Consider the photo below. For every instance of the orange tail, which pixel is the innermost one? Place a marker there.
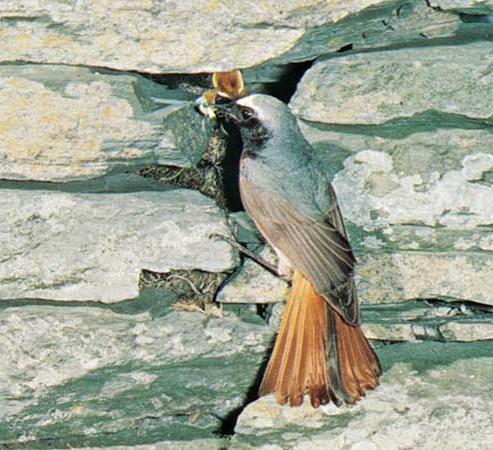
(316, 352)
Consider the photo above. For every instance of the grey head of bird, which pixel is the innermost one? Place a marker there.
(261, 118)
(270, 112)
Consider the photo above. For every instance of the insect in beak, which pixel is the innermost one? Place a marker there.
(204, 106)
(226, 111)
(227, 87)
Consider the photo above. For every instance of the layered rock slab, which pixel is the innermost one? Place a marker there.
(214, 35)
(432, 396)
(255, 284)
(382, 25)
(465, 6)
(427, 321)
(68, 246)
(61, 123)
(373, 88)
(86, 376)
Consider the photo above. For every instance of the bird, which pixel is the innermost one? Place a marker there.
(320, 350)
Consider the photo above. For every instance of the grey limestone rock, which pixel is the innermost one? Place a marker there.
(426, 321)
(68, 246)
(432, 396)
(212, 35)
(404, 276)
(467, 331)
(381, 25)
(465, 6)
(255, 284)
(88, 376)
(193, 444)
(60, 123)
(430, 228)
(374, 88)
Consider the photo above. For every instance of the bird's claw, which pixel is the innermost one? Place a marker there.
(242, 249)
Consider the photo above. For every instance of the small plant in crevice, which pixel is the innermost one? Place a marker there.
(195, 289)
(205, 176)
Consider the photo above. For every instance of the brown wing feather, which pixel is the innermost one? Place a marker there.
(320, 250)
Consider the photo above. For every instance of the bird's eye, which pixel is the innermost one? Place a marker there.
(246, 113)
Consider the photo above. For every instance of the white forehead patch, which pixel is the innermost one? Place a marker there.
(269, 110)
(246, 101)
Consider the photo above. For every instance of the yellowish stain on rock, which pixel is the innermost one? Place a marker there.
(213, 5)
(64, 131)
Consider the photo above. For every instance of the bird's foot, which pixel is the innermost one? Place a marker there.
(242, 249)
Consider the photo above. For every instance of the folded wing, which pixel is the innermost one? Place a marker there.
(320, 250)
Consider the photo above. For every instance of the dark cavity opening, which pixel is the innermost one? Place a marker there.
(348, 47)
(285, 87)
(231, 168)
(476, 18)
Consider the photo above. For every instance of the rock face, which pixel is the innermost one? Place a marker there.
(65, 123)
(436, 401)
(214, 35)
(100, 148)
(92, 247)
(255, 284)
(89, 377)
(382, 87)
(465, 6)
(425, 321)
(411, 157)
(381, 24)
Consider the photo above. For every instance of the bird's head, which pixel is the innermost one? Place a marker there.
(261, 109)
(258, 116)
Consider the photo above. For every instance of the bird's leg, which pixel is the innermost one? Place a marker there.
(258, 259)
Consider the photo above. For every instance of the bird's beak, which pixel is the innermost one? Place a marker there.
(230, 111)
(207, 106)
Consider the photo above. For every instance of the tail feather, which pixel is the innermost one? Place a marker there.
(349, 381)
(362, 359)
(318, 353)
(335, 360)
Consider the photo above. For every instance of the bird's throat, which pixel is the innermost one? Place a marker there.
(254, 136)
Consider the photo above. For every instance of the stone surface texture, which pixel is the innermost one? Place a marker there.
(255, 284)
(465, 6)
(105, 345)
(382, 86)
(64, 246)
(382, 25)
(60, 123)
(209, 444)
(85, 376)
(426, 321)
(423, 404)
(214, 35)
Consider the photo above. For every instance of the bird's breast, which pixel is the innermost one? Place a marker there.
(257, 170)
